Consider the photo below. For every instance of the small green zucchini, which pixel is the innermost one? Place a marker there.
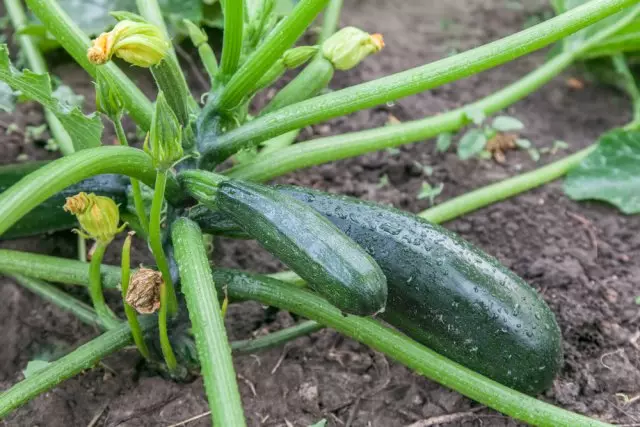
(447, 294)
(49, 216)
(332, 264)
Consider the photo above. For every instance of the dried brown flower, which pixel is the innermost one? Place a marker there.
(143, 293)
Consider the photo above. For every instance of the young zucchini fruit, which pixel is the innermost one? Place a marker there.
(49, 216)
(447, 294)
(333, 265)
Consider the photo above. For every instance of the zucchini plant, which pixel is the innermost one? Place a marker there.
(459, 317)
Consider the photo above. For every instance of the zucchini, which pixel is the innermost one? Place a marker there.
(449, 295)
(332, 264)
(49, 216)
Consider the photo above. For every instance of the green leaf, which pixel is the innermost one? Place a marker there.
(7, 98)
(611, 173)
(523, 143)
(471, 143)
(535, 154)
(429, 192)
(85, 131)
(321, 423)
(33, 366)
(444, 142)
(383, 181)
(507, 124)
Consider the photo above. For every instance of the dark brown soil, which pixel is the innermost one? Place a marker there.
(581, 257)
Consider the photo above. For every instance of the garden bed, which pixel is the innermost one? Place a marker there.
(579, 256)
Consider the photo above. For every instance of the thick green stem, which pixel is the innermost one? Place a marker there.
(38, 186)
(168, 301)
(171, 82)
(95, 288)
(132, 316)
(62, 300)
(337, 147)
(83, 358)
(288, 297)
(408, 82)
(74, 41)
(207, 323)
(485, 196)
(406, 351)
(37, 64)
(330, 20)
(275, 339)
(59, 270)
(138, 201)
(232, 41)
(269, 51)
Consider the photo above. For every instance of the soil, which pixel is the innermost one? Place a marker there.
(579, 256)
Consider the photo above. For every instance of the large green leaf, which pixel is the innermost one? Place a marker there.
(611, 173)
(85, 131)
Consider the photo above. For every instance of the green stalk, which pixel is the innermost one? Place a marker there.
(269, 51)
(330, 20)
(232, 39)
(275, 339)
(84, 357)
(59, 270)
(408, 82)
(62, 300)
(489, 194)
(207, 322)
(150, 10)
(406, 351)
(74, 41)
(171, 82)
(138, 201)
(38, 186)
(426, 362)
(207, 56)
(323, 150)
(629, 83)
(37, 64)
(132, 316)
(168, 301)
(95, 288)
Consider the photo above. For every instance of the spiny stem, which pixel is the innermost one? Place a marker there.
(232, 39)
(275, 339)
(489, 194)
(207, 323)
(168, 301)
(135, 184)
(95, 288)
(132, 316)
(405, 83)
(269, 51)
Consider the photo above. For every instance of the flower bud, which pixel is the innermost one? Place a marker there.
(138, 43)
(349, 46)
(143, 293)
(164, 140)
(108, 99)
(292, 58)
(98, 216)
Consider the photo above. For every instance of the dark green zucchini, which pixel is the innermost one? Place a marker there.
(449, 295)
(332, 264)
(49, 215)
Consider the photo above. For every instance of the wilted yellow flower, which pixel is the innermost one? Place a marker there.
(138, 43)
(143, 293)
(349, 46)
(98, 216)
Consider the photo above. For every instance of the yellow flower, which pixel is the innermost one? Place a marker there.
(349, 46)
(138, 43)
(98, 216)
